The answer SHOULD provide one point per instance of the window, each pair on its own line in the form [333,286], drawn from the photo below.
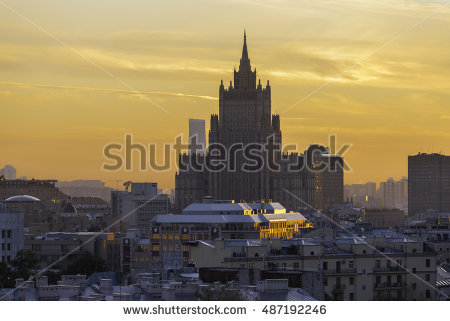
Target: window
[364,288]
[350,264]
[9,234]
[414,286]
[428,294]
[351,280]
[283,266]
[427,277]
[3,234]
[364,272]
[3,246]
[414,270]
[295,265]
[325,281]
[325,266]
[352,296]
[9,247]
[378,264]
[428,263]
[378,279]
[388,263]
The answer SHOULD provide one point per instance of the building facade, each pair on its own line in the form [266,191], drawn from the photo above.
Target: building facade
[11,237]
[353,268]
[138,206]
[219,219]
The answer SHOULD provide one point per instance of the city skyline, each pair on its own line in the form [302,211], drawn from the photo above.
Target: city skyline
[59,111]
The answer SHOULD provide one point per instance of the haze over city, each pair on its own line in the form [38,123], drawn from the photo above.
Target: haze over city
[59,110]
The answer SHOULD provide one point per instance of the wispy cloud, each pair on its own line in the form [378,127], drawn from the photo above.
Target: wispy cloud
[104,90]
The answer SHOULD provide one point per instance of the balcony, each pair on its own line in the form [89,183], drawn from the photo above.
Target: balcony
[340,272]
[389,286]
[389,269]
[339,287]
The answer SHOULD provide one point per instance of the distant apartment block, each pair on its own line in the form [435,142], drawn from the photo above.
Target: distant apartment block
[394,194]
[429,183]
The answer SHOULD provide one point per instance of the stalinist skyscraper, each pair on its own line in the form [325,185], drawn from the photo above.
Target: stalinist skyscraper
[245,119]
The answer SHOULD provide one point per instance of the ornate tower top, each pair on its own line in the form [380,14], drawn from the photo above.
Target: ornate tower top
[245,78]
[245,62]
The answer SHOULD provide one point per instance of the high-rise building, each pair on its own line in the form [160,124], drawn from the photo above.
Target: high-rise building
[394,194]
[245,119]
[197,137]
[328,182]
[363,195]
[428,183]
[8,172]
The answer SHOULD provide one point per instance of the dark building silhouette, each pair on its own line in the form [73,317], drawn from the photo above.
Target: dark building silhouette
[428,183]
[245,119]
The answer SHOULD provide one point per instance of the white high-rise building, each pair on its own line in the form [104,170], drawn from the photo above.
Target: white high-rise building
[9,172]
[197,130]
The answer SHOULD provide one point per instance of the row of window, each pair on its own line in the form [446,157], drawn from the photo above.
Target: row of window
[377,264]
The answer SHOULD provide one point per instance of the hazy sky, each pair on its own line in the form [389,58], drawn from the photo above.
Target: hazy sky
[58,110]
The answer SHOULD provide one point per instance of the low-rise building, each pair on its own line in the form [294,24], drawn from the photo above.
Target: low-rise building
[219,219]
[384,218]
[381,265]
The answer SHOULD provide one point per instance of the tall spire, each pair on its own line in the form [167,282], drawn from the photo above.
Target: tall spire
[244,50]
[245,62]
[245,78]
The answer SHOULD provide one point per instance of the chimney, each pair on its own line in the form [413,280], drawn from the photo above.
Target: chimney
[106,286]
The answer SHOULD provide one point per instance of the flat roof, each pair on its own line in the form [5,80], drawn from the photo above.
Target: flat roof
[223,219]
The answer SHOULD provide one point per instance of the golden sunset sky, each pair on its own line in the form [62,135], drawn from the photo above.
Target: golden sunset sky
[58,109]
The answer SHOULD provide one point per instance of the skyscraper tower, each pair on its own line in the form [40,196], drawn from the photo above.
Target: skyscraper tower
[244,118]
[197,137]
